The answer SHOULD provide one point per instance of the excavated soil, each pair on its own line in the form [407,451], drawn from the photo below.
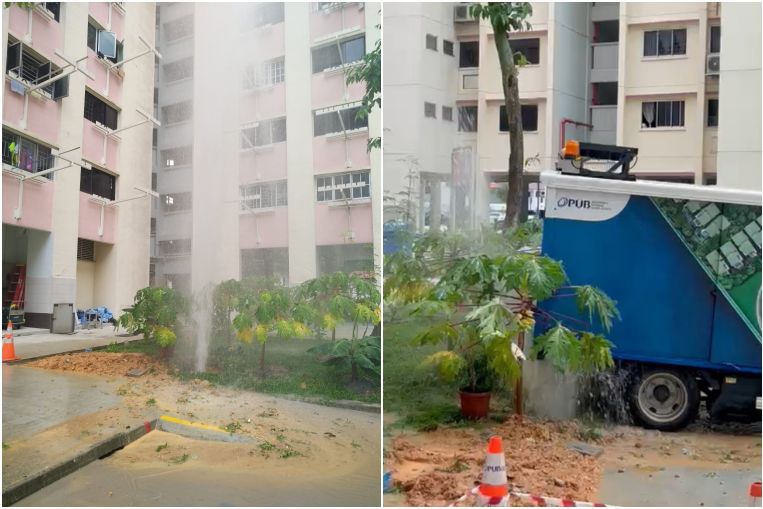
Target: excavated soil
[438,467]
[101,363]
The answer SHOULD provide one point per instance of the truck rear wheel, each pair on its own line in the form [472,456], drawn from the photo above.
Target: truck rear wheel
[664,399]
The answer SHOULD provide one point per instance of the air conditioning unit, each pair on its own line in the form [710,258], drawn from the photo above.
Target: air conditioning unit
[713,65]
[461,13]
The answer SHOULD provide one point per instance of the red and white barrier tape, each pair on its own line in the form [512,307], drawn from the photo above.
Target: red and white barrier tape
[539,501]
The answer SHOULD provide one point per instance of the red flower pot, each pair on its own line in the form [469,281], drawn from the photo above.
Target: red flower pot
[474,405]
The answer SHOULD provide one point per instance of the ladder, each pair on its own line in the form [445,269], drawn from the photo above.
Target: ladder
[14,297]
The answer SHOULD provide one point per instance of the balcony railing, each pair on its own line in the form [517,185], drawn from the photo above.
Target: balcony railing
[26,159]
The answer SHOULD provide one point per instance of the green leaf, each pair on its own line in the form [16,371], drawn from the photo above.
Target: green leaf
[560,347]
[596,303]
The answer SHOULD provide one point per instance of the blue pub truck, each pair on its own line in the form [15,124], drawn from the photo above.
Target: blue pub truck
[683,263]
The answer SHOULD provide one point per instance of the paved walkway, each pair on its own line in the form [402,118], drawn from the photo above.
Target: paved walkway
[42,342]
[36,399]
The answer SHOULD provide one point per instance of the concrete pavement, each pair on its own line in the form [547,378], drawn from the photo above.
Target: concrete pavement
[679,487]
[36,399]
[42,343]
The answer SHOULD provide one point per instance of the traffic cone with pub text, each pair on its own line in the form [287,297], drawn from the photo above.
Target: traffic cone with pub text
[493,490]
[9,352]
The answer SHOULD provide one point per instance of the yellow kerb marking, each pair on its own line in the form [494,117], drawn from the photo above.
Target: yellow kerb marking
[198,425]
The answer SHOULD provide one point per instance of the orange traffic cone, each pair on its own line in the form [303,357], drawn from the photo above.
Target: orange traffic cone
[755,489]
[493,490]
[9,351]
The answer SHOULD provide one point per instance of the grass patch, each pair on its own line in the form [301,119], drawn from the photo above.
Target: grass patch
[232,427]
[417,396]
[177,460]
[5,446]
[290,370]
[160,448]
[139,346]
[151,402]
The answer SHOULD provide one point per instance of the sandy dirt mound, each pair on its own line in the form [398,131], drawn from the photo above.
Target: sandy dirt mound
[436,468]
[101,363]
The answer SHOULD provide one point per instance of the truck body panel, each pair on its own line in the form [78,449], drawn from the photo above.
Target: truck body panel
[682,262]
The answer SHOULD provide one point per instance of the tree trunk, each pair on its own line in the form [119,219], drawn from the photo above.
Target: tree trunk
[514,113]
[354,377]
[333,334]
[262,360]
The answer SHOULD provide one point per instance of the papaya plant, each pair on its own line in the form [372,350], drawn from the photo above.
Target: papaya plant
[155,314]
[264,314]
[482,306]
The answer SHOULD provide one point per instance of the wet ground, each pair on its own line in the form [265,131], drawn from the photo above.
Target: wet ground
[34,400]
[187,472]
[35,343]
[698,466]
[302,454]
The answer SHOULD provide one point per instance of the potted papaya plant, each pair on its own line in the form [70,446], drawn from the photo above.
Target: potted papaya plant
[480,307]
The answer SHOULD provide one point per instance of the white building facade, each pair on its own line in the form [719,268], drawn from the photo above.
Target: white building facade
[662,77]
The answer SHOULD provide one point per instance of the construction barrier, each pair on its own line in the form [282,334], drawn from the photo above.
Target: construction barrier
[9,350]
[540,501]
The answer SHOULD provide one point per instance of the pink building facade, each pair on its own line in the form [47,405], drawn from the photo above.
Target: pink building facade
[66,164]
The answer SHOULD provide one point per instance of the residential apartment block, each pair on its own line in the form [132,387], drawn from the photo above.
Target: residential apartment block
[261,163]
[679,81]
[76,154]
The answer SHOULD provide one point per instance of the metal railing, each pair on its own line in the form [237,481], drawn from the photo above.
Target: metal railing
[24,159]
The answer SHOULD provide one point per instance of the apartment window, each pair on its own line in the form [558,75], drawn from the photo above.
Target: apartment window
[264,195]
[712,113]
[178,70]
[606,31]
[154,137]
[430,110]
[337,121]
[104,43]
[529,48]
[339,53]
[85,250]
[469,54]
[665,42]
[354,185]
[470,81]
[264,132]
[265,74]
[98,112]
[176,202]
[467,119]
[529,119]
[25,154]
[181,283]
[178,156]
[345,258]
[179,28]
[431,42]
[447,113]
[266,262]
[53,8]
[154,179]
[25,65]
[153,226]
[604,94]
[179,247]
[662,114]
[98,182]
[447,47]
[178,112]
[268,14]
[715,39]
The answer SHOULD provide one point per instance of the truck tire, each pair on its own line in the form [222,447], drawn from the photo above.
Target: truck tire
[663,398]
